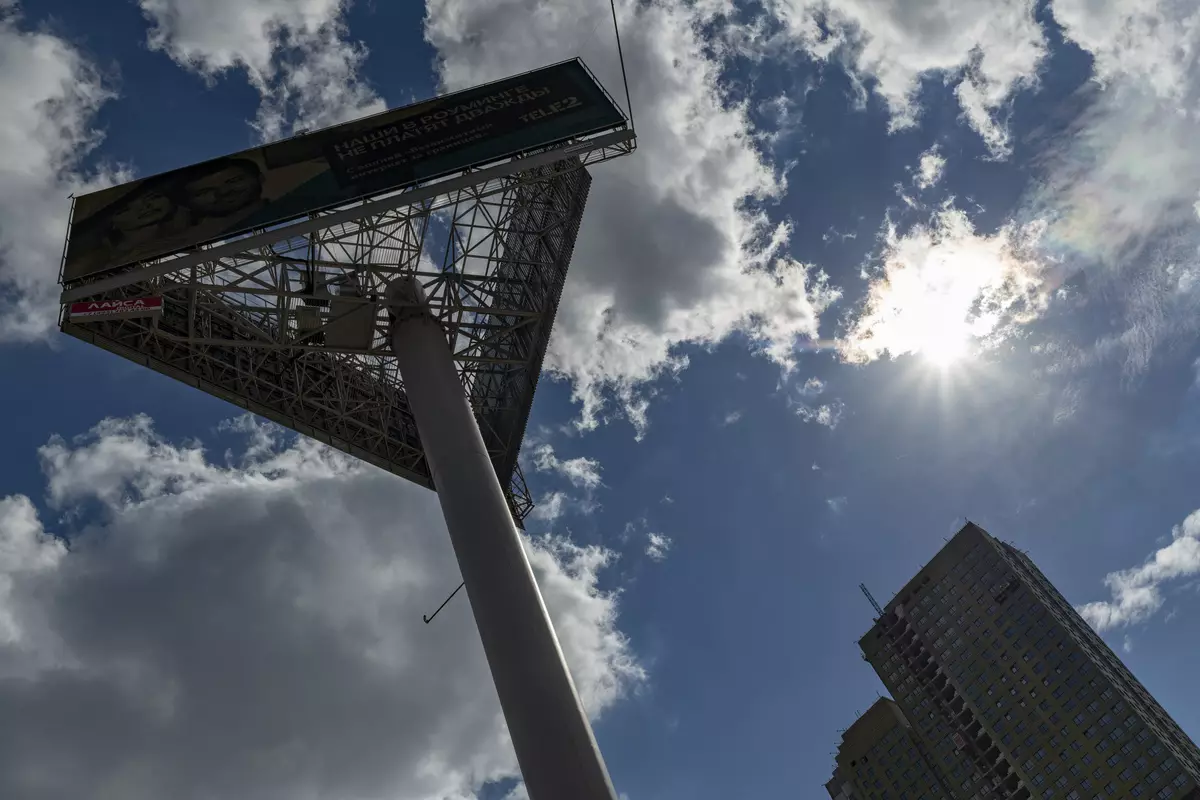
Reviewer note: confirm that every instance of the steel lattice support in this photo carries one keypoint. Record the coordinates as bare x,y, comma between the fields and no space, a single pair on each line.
290,322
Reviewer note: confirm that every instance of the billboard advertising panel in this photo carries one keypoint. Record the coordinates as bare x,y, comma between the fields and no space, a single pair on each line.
216,199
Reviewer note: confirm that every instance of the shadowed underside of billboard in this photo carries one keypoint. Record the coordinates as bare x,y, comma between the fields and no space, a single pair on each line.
259,277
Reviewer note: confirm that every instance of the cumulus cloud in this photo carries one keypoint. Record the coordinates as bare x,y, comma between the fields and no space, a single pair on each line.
50,94
732,417
253,630
675,247
811,388
943,285
804,405
582,472
296,54
930,168
657,545
989,50
826,414
550,507
836,504
1137,593
1153,42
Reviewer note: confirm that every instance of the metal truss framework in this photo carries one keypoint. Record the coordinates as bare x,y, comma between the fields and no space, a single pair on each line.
289,322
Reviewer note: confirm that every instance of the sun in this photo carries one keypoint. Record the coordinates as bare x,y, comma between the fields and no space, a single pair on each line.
941,340
946,349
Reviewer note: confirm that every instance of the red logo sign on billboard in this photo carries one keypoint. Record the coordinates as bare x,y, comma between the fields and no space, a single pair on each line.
126,308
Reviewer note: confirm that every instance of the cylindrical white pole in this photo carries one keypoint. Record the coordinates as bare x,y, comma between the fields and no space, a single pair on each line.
555,747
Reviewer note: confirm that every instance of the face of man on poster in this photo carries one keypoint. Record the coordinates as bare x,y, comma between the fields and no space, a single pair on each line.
224,190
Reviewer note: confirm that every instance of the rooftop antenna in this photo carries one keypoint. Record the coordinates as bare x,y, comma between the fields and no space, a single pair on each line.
874,604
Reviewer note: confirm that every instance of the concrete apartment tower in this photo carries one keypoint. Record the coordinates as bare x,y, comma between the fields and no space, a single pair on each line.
879,753
1012,694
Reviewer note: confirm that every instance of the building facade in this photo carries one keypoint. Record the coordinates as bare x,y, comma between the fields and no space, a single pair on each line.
880,754
1012,694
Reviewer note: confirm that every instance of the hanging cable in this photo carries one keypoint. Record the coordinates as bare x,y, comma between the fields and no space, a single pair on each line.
624,78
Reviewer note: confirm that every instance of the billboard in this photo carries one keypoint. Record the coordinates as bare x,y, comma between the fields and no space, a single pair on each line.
216,199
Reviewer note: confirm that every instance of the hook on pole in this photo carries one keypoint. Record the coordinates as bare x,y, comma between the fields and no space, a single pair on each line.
429,619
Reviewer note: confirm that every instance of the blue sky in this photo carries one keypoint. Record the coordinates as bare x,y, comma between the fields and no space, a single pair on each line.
872,271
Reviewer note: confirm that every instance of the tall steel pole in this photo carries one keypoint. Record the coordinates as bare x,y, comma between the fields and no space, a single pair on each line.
555,747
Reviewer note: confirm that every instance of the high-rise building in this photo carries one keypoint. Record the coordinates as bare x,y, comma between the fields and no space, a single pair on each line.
1013,694
879,755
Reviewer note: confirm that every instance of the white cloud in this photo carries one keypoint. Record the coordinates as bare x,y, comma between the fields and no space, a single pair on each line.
989,49
827,414
1137,593
930,168
550,507
943,285
811,388
732,417
672,249
582,472
254,631
295,52
836,504
657,545
1153,42
1127,644
1118,184
50,94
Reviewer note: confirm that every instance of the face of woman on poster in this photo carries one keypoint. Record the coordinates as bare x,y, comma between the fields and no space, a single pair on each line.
223,191
143,211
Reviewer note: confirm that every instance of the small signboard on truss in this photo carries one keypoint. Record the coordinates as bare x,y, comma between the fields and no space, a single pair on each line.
130,308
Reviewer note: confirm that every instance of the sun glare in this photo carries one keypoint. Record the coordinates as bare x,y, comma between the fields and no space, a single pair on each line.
939,338
946,350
